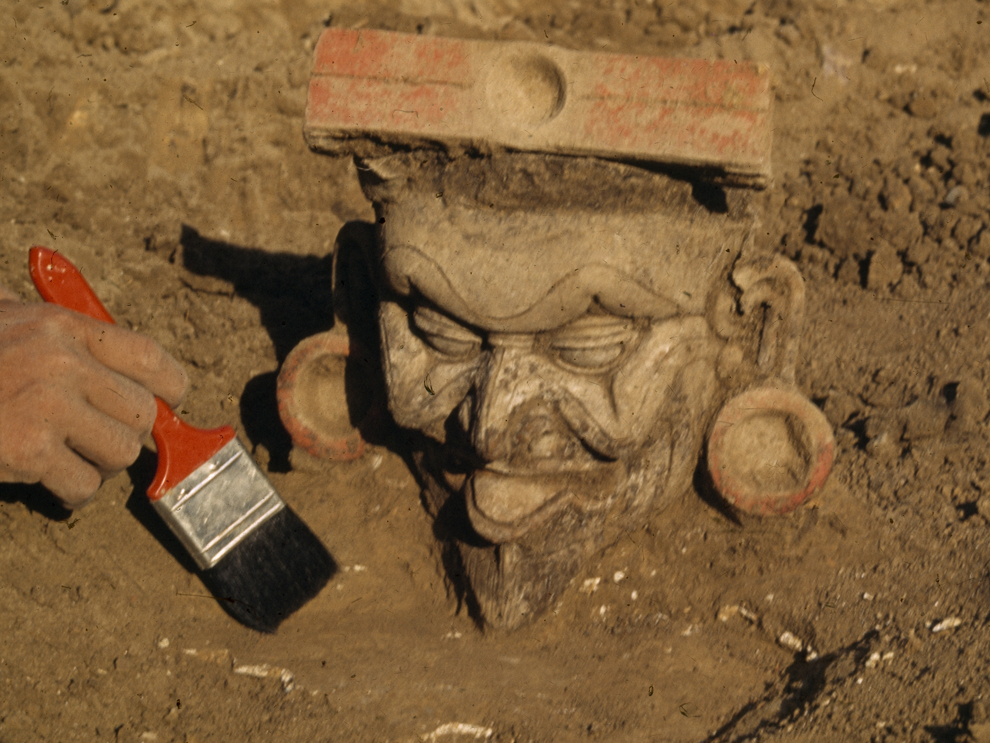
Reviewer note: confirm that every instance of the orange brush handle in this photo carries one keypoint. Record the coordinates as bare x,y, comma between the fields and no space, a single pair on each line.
182,448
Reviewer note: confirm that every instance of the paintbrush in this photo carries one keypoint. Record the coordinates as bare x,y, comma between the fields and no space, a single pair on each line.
256,556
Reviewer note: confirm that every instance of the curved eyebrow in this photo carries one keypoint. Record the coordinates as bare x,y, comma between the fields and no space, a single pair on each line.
429,320
406,269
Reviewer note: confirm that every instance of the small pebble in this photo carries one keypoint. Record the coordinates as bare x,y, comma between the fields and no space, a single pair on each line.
590,585
956,193
461,730
947,623
791,641
727,612
262,670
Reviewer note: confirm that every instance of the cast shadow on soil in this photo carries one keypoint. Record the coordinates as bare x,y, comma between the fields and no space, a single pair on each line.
802,682
957,732
705,488
37,498
293,294
295,297
142,473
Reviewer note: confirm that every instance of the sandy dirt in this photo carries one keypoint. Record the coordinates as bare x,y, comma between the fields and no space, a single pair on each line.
158,145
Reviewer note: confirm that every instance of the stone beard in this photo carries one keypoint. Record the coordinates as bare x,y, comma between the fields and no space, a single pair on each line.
557,330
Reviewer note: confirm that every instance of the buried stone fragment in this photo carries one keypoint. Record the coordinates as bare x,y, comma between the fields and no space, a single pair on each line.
571,309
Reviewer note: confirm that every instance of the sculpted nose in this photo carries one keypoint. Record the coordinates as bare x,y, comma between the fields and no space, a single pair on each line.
494,398
514,421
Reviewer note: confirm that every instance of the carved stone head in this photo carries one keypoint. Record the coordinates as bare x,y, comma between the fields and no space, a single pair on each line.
555,328
564,337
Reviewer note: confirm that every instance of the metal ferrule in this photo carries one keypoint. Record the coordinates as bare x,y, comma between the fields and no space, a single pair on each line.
219,504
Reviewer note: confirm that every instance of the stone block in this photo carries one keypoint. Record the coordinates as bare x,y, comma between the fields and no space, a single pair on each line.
372,89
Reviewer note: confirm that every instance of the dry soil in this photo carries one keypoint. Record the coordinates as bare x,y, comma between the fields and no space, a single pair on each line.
158,145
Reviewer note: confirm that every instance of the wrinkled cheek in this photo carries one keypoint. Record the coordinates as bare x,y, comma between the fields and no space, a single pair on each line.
650,476
409,368
668,384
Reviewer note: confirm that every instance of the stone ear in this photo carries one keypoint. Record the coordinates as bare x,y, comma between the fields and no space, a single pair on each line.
772,304
329,389
770,448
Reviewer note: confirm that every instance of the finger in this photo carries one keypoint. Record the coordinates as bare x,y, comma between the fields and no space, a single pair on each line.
101,439
120,398
70,478
139,358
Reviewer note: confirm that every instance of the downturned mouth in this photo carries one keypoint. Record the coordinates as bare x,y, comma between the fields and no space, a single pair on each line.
503,506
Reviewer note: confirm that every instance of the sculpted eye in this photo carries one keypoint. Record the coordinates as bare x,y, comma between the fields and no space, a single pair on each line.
591,358
593,344
444,335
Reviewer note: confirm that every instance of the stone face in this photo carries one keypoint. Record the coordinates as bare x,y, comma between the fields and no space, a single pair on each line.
563,349
418,90
557,359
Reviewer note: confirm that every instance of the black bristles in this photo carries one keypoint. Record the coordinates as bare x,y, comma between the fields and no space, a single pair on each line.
276,569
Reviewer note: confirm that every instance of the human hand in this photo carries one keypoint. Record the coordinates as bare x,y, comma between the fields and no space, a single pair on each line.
77,397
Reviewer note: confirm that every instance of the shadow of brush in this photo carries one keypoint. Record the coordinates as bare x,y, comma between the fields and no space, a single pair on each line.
142,472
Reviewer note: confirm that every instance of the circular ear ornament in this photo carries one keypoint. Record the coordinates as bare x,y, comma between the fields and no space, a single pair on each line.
313,402
770,450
